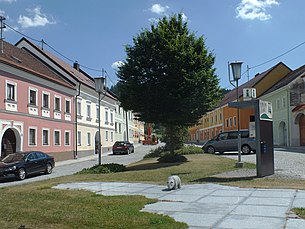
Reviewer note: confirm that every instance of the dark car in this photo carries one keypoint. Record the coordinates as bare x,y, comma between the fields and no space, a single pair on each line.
228,141
122,147
25,163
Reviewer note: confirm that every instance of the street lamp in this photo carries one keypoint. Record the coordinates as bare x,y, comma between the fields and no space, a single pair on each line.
99,88
236,71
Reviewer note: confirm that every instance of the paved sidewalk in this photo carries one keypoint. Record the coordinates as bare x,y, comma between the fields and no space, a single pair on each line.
212,206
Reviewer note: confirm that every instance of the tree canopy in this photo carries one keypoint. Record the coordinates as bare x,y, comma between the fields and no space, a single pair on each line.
168,75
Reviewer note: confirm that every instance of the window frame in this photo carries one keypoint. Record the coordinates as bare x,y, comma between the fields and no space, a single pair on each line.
14,86
59,137
30,138
48,137
69,138
55,106
43,100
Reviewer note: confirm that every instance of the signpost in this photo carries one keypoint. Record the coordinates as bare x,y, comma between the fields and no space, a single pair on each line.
263,134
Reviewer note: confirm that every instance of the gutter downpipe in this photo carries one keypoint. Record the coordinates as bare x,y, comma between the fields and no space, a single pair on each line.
75,116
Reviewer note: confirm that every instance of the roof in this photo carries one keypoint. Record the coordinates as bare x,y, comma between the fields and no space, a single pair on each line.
231,96
77,74
24,61
287,79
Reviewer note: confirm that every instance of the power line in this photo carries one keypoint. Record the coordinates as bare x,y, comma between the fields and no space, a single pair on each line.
44,43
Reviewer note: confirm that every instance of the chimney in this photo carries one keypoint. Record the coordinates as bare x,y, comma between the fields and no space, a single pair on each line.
76,65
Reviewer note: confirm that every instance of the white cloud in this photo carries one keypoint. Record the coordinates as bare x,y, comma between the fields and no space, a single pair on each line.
158,9
37,18
255,9
8,1
117,64
184,17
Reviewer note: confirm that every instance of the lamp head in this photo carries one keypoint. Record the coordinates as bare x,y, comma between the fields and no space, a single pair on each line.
236,69
99,84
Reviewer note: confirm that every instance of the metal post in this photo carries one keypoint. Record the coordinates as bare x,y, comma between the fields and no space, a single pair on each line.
99,130
238,129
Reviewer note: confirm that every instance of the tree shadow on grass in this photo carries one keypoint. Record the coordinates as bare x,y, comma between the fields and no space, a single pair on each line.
223,179
150,166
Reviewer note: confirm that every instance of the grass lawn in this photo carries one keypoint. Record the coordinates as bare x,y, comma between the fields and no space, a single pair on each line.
37,205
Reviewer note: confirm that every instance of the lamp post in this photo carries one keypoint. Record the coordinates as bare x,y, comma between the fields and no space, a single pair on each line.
236,71
99,88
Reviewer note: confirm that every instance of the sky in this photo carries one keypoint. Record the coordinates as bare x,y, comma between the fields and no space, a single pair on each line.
95,32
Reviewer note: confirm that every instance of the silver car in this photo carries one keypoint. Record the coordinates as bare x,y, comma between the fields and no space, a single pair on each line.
228,141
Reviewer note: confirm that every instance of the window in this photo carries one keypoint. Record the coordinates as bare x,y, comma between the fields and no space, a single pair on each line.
111,118
284,102
45,137
79,106
212,120
88,138
33,97
216,118
88,110
231,122
56,137
234,118
220,116
57,103
278,104
68,107
45,100
97,112
106,117
106,135
116,127
32,136
120,128
11,92
67,138
111,136
79,138
227,122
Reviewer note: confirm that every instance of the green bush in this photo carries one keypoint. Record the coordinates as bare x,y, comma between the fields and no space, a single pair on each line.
106,168
172,158
185,150
158,152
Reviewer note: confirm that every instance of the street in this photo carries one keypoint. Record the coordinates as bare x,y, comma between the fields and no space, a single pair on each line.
70,167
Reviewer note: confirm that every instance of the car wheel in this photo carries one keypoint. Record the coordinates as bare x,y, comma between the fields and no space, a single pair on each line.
211,150
128,151
21,173
245,149
49,169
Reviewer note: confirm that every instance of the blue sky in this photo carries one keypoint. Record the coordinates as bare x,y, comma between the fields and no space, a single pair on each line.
94,32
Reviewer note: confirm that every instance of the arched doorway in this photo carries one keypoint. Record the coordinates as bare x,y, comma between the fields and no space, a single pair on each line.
96,143
8,143
282,134
302,130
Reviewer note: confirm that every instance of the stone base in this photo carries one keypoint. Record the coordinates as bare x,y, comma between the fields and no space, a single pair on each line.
239,164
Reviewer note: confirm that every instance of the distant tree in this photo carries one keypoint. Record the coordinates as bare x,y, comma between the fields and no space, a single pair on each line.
168,77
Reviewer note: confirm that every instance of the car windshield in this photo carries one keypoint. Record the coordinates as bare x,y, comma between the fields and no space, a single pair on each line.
120,143
13,158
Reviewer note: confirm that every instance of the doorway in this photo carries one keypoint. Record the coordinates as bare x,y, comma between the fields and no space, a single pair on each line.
8,143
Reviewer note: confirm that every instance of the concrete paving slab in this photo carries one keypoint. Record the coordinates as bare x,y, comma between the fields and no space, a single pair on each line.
253,222
208,206
273,211
298,203
222,192
268,201
222,199
196,219
295,224
274,193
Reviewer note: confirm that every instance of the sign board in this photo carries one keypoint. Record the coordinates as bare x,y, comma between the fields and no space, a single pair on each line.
249,94
265,110
252,129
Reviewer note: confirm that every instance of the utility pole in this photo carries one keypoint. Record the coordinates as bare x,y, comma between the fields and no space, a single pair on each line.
2,26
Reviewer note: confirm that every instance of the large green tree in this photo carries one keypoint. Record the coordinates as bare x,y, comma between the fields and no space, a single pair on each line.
168,76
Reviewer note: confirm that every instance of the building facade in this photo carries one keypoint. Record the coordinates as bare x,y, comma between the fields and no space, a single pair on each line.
36,106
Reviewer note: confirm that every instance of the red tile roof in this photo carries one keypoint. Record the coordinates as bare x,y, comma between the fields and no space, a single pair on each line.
231,96
24,61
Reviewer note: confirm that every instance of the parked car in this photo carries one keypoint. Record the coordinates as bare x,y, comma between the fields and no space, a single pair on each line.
228,141
23,164
122,147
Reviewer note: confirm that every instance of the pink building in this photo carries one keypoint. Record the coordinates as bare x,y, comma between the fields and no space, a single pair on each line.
36,106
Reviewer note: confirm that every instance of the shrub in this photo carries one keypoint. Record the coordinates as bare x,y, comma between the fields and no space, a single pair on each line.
106,168
172,158
158,152
189,150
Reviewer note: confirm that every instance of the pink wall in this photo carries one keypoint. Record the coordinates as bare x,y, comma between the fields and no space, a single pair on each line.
22,114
